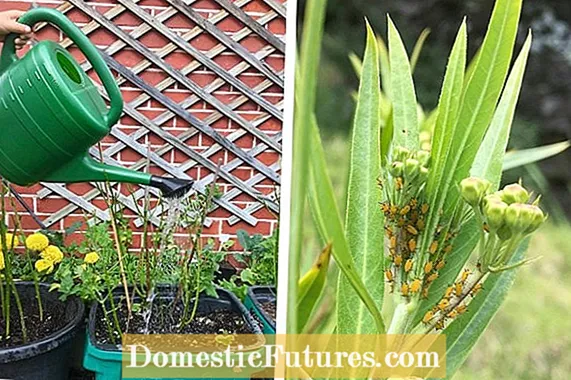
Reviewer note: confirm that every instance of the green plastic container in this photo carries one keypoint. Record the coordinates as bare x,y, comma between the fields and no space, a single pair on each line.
105,360
257,295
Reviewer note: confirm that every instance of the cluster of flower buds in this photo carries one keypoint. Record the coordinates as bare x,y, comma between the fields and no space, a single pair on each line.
507,216
409,168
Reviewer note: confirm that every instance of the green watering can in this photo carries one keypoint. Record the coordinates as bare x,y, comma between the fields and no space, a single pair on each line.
51,113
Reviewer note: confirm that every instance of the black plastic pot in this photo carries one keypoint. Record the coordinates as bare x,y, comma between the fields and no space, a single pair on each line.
49,358
255,297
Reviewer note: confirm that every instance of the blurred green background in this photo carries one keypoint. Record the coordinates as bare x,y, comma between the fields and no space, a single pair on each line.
530,338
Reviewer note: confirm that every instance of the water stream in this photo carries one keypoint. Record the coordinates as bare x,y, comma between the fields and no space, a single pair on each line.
171,223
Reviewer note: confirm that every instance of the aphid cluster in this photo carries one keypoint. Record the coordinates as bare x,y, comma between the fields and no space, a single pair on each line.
405,220
454,301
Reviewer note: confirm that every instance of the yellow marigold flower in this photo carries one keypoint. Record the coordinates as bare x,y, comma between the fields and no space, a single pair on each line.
44,265
37,242
53,254
1,260
11,240
91,258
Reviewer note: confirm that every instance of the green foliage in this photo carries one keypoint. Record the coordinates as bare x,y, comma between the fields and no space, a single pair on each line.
260,258
363,220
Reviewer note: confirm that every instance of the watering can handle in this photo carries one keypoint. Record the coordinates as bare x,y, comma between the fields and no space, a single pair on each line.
52,16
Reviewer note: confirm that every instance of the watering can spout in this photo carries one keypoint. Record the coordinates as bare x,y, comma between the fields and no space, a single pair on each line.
172,187
86,169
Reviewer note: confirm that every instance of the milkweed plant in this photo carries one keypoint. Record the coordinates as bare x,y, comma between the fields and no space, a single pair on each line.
429,236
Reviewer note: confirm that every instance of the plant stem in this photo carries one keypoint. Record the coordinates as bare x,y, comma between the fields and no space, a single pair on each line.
402,315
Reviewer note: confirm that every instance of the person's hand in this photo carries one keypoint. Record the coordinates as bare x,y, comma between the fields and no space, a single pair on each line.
9,24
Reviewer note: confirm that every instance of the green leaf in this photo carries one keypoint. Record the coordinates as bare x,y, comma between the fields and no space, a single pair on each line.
305,104
327,219
464,332
490,158
311,286
517,158
448,106
403,96
418,48
364,220
385,67
480,99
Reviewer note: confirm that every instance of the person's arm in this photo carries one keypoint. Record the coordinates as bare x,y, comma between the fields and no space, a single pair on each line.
9,24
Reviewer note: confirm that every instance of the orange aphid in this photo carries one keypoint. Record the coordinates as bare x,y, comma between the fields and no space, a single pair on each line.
389,275
428,316
415,286
440,264
475,290
408,265
412,245
399,183
439,325
405,210
393,242
448,292
465,275
398,260
443,304
458,288
433,247
461,309
448,248
420,224
432,277
404,289
411,230
428,267
424,208
452,314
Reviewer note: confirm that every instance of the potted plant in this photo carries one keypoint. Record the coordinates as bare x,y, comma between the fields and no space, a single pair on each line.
166,288
36,328
255,284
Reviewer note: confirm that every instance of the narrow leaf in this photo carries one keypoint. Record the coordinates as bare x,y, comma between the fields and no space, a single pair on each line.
385,67
487,164
448,106
480,98
403,96
327,219
489,160
418,48
305,104
311,286
364,220
517,158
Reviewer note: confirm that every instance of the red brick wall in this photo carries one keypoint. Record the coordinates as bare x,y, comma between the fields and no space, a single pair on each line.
219,220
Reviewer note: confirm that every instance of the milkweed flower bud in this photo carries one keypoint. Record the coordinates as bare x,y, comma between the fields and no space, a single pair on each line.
423,157
538,218
494,212
514,193
400,153
519,217
473,190
411,169
396,169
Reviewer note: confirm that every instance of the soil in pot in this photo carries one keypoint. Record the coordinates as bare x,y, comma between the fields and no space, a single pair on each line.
270,309
54,320
165,319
